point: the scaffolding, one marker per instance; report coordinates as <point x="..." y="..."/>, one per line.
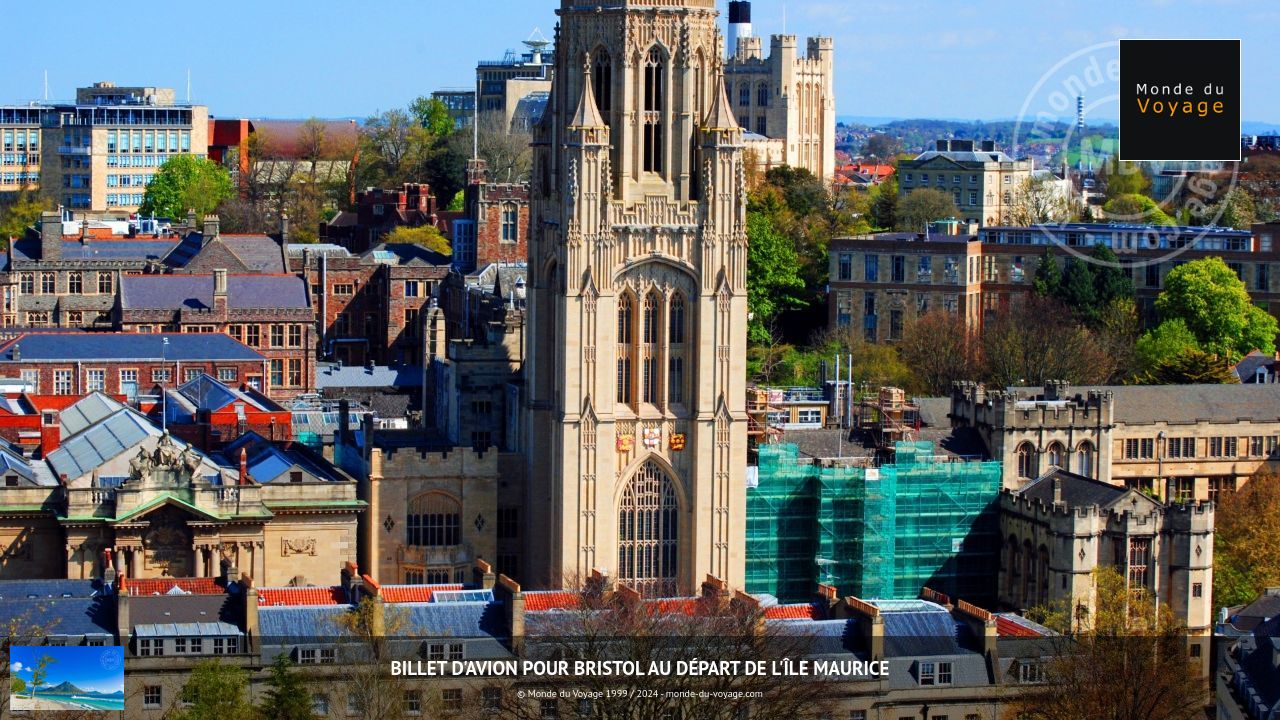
<point x="881" y="532"/>
<point x="887" y="418"/>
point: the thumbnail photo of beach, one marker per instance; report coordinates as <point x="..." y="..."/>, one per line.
<point x="71" y="678"/>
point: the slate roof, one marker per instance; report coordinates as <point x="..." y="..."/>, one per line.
<point x="1248" y="618"/>
<point x="454" y="620"/>
<point x="268" y="461"/>
<point x="193" y="629"/>
<point x="306" y="623"/>
<point x="171" y="609"/>
<point x="964" y="156"/>
<point x="13" y="462"/>
<point x="405" y="254"/>
<point x="1077" y="490"/>
<point x="25" y="589"/>
<point x="1247" y="369"/>
<point x="379" y="376"/>
<point x="257" y="253"/>
<point x="1259" y="665"/>
<point x="60" y="616"/>
<point x="244" y="292"/>
<point x="126" y="346"/>
<point x="207" y="393"/>
<point x="28" y="249"/>
<point x="1146" y="404"/>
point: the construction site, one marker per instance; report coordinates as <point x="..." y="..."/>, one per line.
<point x="890" y="517"/>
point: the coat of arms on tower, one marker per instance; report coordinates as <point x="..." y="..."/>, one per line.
<point x="652" y="438"/>
<point x="676" y="443"/>
<point x="626" y="443"/>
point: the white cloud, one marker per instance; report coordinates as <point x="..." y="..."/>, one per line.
<point x="16" y="667"/>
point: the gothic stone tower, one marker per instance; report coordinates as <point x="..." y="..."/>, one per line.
<point x="638" y="307"/>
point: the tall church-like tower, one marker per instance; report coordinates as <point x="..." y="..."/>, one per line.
<point x="638" y="306"/>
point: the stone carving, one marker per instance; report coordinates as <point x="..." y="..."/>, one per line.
<point x="140" y="466"/>
<point x="297" y="546"/>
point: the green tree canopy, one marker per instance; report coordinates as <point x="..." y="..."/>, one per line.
<point x="1163" y="343"/>
<point x="22" y="212"/>
<point x="186" y="182"/>
<point x="428" y="236"/>
<point x="216" y="691"/>
<point x="286" y="697"/>
<point x="923" y="206"/>
<point x="773" y="279"/>
<point x="432" y="114"/>
<point x="1213" y="303"/>
<point x="1123" y="178"/>
<point x="1133" y="207"/>
<point x="1048" y="277"/>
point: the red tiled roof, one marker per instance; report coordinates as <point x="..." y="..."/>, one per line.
<point x="414" y="593"/>
<point x="269" y="597"/>
<point x="1009" y="628"/>
<point x="550" y="600"/>
<point x="161" y="586"/>
<point x="671" y="606"/>
<point x="793" y="612"/>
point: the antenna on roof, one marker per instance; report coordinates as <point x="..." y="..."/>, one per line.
<point x="188" y="86"/>
<point x="46" y="85"/>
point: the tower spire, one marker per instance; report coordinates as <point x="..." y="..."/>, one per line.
<point x="720" y="116"/>
<point x="587" y="114"/>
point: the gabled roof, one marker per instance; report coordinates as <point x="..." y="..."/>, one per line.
<point x="12" y="462"/>
<point x="1077" y="490"/>
<point x="405" y="254"/>
<point x="268" y="461"/>
<point x="161" y="610"/>
<point x="378" y="376"/>
<point x="139" y="250"/>
<point x="30" y="589"/>
<point x="1149" y="404"/>
<point x="207" y="393"/>
<point x="244" y="292"/>
<point x="60" y="616"/>
<point x="252" y="253"/>
<point x="106" y="439"/>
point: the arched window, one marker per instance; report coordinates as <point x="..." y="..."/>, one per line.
<point x="1058" y="455"/>
<point x="602" y="83"/>
<point x="434" y="521"/>
<point x="654" y="106"/>
<point x="1086" y="459"/>
<point x="648" y="533"/>
<point x="744" y="94"/>
<point x="626" y="313"/>
<point x="762" y="94"/>
<point x="675" y="349"/>
<point x="650" y="350"/>
<point x="1028" y="463"/>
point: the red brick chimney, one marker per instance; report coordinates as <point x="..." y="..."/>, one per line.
<point x="50" y="432"/>
<point x="244" y="467"/>
<point x="220" y="293"/>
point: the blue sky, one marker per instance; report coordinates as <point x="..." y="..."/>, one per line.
<point x="83" y="667"/>
<point x="331" y="58"/>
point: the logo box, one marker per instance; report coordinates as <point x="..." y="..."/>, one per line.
<point x="1180" y="100"/>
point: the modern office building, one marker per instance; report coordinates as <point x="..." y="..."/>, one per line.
<point x="516" y="87"/>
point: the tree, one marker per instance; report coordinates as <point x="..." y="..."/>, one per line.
<point x="1246" y="544"/>
<point x="1124" y="658"/>
<point x="428" y="236"/>
<point x="1119" y="179"/>
<point x="1048" y="277"/>
<point x="17" y="685"/>
<point x="1039" y="199"/>
<point x="1168" y="340"/>
<point x="1076" y="290"/>
<point x="1110" y="282"/>
<point x="1236" y="210"/>
<point x="881" y="147"/>
<point x="773" y="280"/>
<point x="1036" y="340"/>
<point x="884" y="204"/>
<point x="40" y="673"/>
<point x="186" y="182"/>
<point x="1212" y="301"/>
<point x="1134" y="208"/>
<point x="1190" y="367"/>
<point x="432" y="114"/>
<point x="507" y="151"/>
<point x="215" y="691"/>
<point x="22" y="212"/>
<point x="868" y="363"/>
<point x="1117" y="331"/>
<point x="923" y="206"/>
<point x="287" y="697"/>
<point x="938" y="350"/>
<point x="802" y="191"/>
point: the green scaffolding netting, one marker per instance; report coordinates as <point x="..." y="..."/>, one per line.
<point x="875" y="532"/>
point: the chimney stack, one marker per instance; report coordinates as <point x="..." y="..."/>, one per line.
<point x="51" y="236"/>
<point x="739" y="25"/>
<point x="212" y="227"/>
<point x="284" y="228"/>
<point x="50" y="432"/>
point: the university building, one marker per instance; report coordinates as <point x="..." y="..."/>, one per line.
<point x="880" y="281"/>
<point x="635" y="376"/>
<point x="784" y="103"/>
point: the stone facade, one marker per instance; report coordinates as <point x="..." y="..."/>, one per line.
<point x="788" y="98"/>
<point x="1179" y="443"/>
<point x="1057" y="531"/>
<point x="637" y="305"/>
<point x="982" y="180"/>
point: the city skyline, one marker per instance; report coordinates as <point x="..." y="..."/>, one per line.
<point x="889" y="62"/>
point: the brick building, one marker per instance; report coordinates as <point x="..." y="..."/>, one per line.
<point x="208" y="413"/>
<point x="270" y="313"/>
<point x="369" y="305"/>
<point x="127" y="365"/>
<point x="880" y="281"/>
<point x="379" y="211"/>
<point x="495" y="225"/>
